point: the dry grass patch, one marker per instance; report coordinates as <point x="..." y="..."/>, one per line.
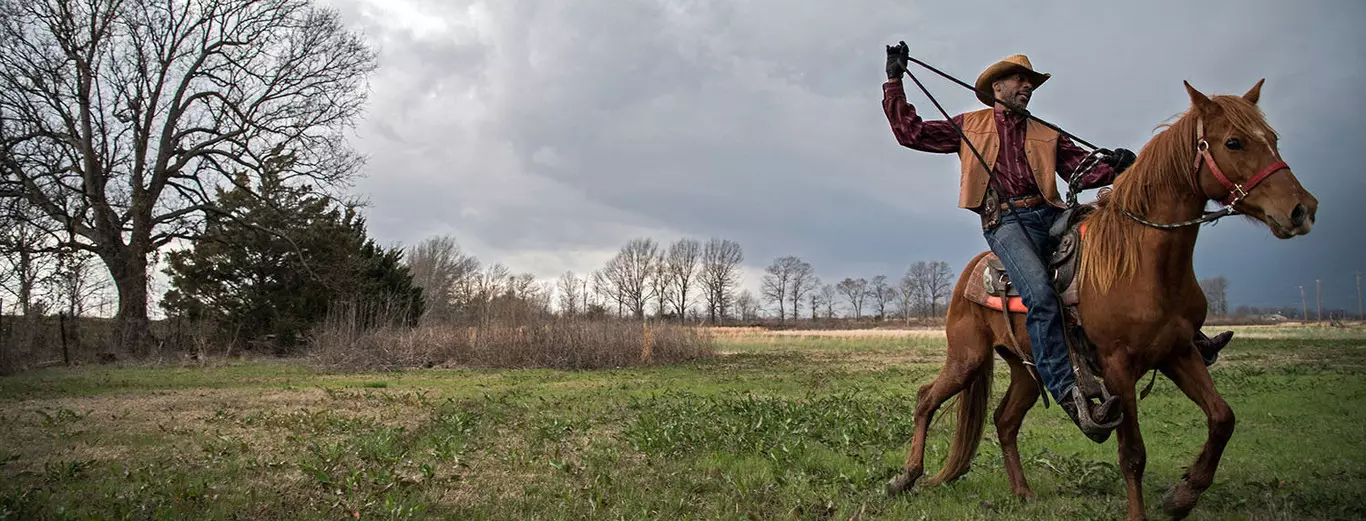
<point x="555" y="343"/>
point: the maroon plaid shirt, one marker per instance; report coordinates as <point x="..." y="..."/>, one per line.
<point x="1011" y="169"/>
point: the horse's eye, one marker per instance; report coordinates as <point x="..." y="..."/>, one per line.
<point x="1233" y="144"/>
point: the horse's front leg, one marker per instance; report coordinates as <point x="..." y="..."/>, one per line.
<point x="1133" y="456"/>
<point x="1190" y="375"/>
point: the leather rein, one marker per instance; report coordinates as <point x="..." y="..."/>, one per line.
<point x="1236" y="191"/>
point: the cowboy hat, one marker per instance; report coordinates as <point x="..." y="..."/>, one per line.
<point x="1016" y="63"/>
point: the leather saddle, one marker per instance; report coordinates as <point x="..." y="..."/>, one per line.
<point x="1065" y="253"/>
<point x="997" y="292"/>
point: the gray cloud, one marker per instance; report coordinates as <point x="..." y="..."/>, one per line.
<point x="545" y="134"/>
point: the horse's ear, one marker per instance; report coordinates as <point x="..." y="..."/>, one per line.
<point x="1198" y="100"/>
<point x="1255" y="92"/>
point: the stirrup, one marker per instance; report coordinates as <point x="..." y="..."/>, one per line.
<point x="1097" y="432"/>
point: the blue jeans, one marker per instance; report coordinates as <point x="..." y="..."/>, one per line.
<point x="1026" y="265"/>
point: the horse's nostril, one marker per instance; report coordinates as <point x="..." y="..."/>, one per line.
<point x="1298" y="215"/>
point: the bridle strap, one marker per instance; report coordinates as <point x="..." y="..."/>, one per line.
<point x="1236" y="192"/>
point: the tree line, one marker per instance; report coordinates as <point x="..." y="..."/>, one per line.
<point x="790" y="283"/>
<point x="686" y="280"/>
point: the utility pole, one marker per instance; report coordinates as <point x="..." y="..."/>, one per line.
<point x="1304" y="305"/>
<point x="1360" y="315"/>
<point x="1318" y="295"/>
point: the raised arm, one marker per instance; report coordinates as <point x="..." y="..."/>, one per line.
<point x="910" y="129"/>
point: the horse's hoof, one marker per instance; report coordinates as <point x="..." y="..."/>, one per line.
<point x="1027" y="496"/>
<point x="1179" y="501"/>
<point x="901" y="483"/>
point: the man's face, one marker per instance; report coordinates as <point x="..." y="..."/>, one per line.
<point x="1015" y="89"/>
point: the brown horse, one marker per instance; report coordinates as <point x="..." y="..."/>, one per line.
<point x="1139" y="298"/>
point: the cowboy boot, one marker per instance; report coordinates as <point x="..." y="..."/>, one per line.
<point x="1095" y="420"/>
<point x="1210" y="347"/>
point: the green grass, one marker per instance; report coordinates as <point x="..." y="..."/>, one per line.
<point x="786" y="427"/>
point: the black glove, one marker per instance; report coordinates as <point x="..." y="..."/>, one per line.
<point x="897" y="56"/>
<point x="1120" y="160"/>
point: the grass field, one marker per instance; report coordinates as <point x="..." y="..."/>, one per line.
<point x="781" y="426"/>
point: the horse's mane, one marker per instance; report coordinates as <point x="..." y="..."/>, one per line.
<point x="1161" y="172"/>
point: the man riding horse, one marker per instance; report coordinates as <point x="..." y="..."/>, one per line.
<point x="1021" y="205"/>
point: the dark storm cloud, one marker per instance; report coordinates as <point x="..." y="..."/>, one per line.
<point x="545" y="134"/>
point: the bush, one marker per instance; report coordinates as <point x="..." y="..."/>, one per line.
<point x="547" y="343"/>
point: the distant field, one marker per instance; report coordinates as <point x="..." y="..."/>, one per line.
<point x="784" y="425"/>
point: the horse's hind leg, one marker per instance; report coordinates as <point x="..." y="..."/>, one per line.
<point x="1189" y="373"/>
<point x="1019" y="398"/>
<point x="968" y="353"/>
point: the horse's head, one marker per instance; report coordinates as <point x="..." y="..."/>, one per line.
<point x="1238" y="163"/>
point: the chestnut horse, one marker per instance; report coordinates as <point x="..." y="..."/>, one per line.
<point x="1139" y="297"/>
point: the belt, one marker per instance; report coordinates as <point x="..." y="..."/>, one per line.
<point x="1023" y="202"/>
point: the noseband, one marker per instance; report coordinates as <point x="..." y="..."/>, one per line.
<point x="1236" y="192"/>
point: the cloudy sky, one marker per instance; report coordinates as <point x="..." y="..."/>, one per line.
<point x="545" y="134"/>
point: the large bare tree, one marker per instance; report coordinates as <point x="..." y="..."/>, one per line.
<point x="630" y="273"/>
<point x="939" y="283"/>
<point x="827" y="298"/>
<point x="683" y="259"/>
<point x="777" y="282"/>
<point x="570" y="290"/>
<point x="747" y="306"/>
<point x="659" y="282"/>
<point x="804" y="281"/>
<point x="720" y="275"/>
<point x="119" y="119"/>
<point x="786" y="282"/>
<point x="855" y="291"/>
<point x="439" y="266"/>
<point x="882" y="294"/>
<point x="1216" y="295"/>
<point x="908" y="294"/>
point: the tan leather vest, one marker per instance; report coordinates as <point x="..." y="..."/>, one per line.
<point x="1041" y="151"/>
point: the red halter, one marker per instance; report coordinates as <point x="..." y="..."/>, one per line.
<point x="1236" y="192"/>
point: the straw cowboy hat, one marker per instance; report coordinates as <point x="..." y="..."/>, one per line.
<point x="1016" y="63"/>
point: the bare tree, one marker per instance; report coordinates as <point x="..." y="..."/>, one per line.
<point x="683" y="269"/>
<point x="804" y="281"/>
<point x="629" y="274"/>
<point x="919" y="275"/>
<point x="882" y="294"/>
<point x="659" y="283"/>
<point x="27" y="257"/>
<point x="491" y="283"/>
<point x="777" y="280"/>
<point x="1216" y="295"/>
<point x="522" y="285"/>
<point x="606" y="290"/>
<point x="828" y="297"/>
<point x="854" y="291"/>
<point x="747" y="306"/>
<point x="908" y="294"/>
<point x="542" y="293"/>
<point x="569" y="287"/>
<point x="439" y="267"/>
<point x="938" y="284"/>
<point x="720" y="275"/>
<point x="75" y="282"/>
<point x="120" y="119"/>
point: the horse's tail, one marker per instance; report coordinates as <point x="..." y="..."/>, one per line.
<point x="972" y="415"/>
